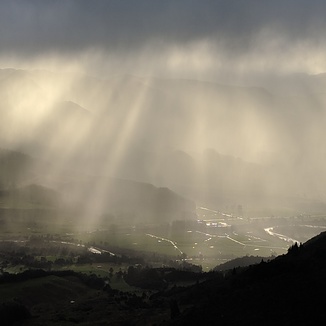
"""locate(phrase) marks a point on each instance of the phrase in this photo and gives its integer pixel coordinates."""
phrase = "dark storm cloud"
(36, 26)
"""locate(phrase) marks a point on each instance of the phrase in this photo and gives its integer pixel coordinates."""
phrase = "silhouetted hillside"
(288, 290)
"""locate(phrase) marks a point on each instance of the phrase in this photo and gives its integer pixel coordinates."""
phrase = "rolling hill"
(30, 183)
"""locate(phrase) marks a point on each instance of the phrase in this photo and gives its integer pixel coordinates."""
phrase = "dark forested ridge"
(241, 262)
(289, 290)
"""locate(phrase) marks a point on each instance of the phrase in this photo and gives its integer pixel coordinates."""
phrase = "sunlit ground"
(212, 240)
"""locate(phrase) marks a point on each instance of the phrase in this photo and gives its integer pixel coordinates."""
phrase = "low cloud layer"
(187, 38)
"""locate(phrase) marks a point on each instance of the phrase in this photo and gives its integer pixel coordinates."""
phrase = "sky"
(206, 39)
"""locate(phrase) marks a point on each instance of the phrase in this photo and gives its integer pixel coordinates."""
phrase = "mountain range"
(215, 144)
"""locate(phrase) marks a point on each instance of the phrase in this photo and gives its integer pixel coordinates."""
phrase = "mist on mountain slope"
(210, 142)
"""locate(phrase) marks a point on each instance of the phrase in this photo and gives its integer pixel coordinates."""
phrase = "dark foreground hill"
(289, 290)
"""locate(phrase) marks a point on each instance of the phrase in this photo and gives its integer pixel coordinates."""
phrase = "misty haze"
(159, 160)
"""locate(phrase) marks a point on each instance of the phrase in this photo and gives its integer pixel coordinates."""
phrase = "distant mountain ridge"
(264, 145)
(86, 196)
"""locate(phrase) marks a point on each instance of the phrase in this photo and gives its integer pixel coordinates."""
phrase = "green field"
(207, 242)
